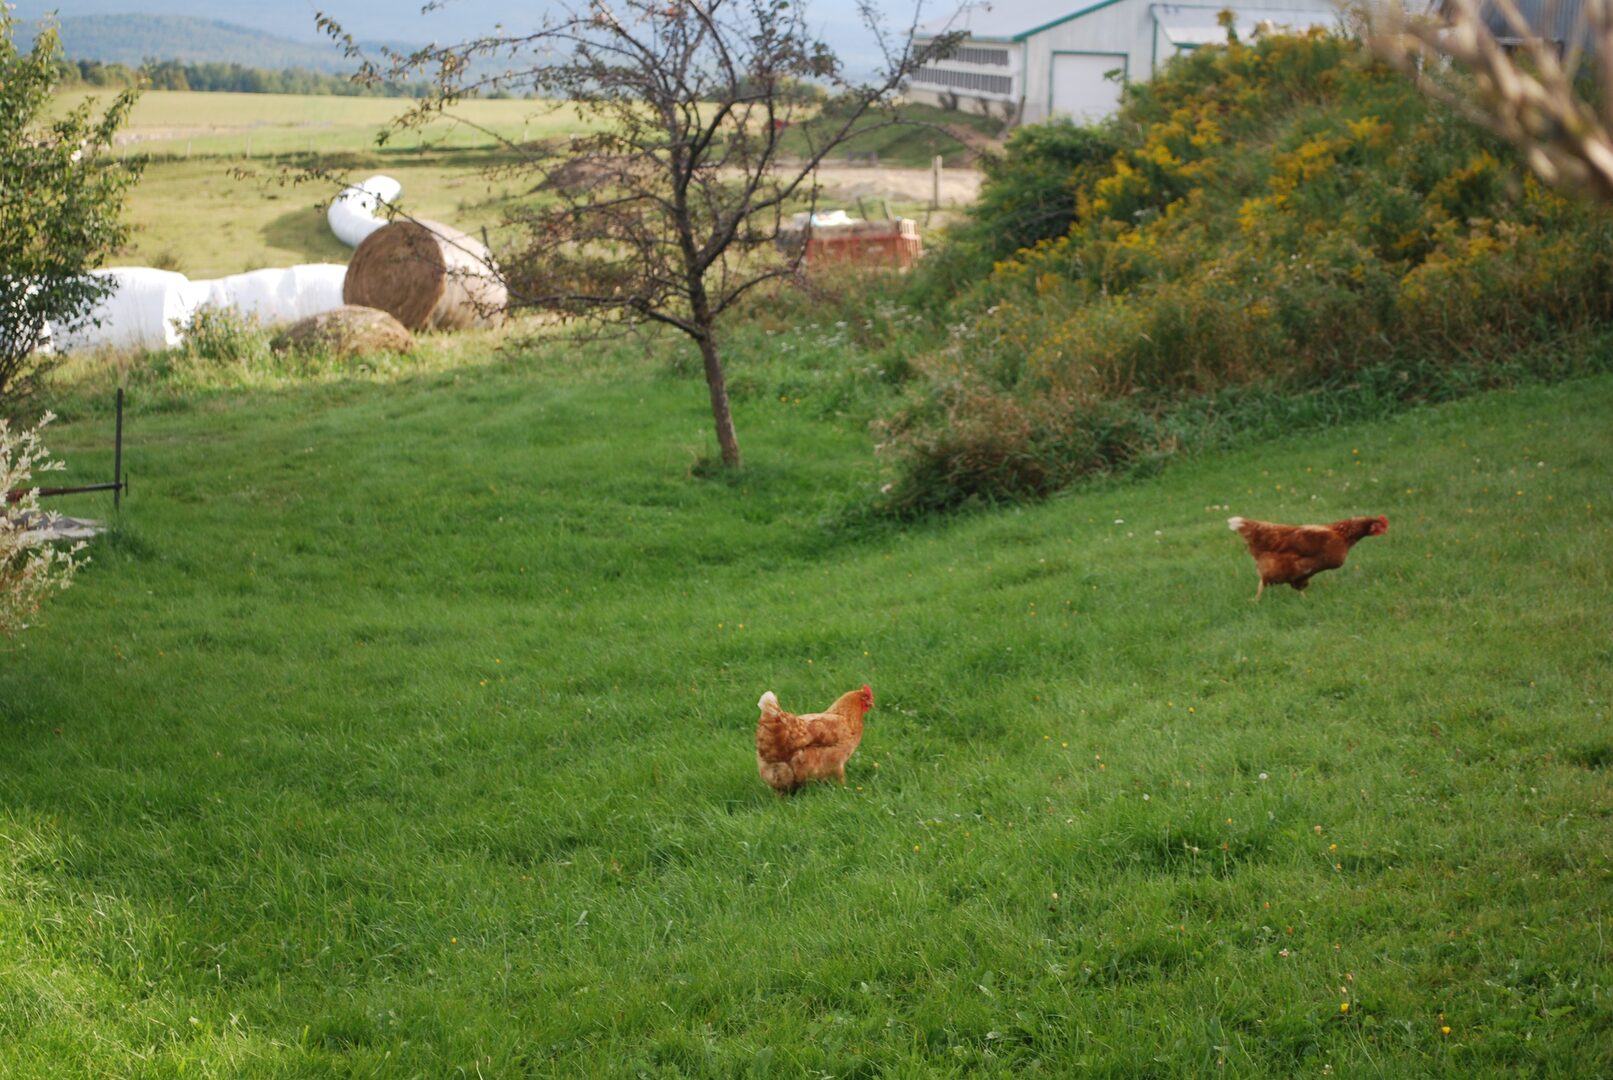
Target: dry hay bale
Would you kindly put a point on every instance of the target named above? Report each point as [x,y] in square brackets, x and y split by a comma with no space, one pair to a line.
[347,331]
[428,276]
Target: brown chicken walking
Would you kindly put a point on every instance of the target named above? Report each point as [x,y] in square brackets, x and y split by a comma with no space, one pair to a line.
[791,750]
[1293,554]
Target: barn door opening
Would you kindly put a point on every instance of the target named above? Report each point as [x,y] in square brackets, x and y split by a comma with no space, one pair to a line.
[1080,90]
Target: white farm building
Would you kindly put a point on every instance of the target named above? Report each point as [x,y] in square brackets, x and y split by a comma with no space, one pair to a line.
[1029,60]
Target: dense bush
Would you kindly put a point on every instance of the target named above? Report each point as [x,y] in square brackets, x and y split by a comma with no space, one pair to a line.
[1029,195]
[1288,214]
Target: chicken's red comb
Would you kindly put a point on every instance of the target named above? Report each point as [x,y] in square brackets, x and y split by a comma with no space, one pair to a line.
[868,696]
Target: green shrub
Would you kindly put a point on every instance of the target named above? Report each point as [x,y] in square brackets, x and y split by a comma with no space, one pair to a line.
[1286,214]
[1028,195]
[220,335]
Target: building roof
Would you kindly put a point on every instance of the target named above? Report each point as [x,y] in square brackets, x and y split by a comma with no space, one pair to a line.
[1002,20]
[1016,20]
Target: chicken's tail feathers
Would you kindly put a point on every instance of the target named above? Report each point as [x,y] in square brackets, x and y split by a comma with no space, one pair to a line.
[769,703]
[1236,524]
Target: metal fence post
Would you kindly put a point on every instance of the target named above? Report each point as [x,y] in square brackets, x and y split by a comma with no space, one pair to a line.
[117,457]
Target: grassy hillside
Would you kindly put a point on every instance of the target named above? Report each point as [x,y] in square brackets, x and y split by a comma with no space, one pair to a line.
[1284,218]
[406,730]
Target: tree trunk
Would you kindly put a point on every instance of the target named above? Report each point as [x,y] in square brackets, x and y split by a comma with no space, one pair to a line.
[720,414]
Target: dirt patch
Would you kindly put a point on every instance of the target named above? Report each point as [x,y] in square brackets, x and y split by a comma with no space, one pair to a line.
[959,187]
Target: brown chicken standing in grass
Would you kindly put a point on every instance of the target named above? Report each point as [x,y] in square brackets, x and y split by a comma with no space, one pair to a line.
[1293,554]
[791,750]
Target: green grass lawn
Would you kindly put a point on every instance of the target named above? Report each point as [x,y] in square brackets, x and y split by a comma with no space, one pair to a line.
[406,730]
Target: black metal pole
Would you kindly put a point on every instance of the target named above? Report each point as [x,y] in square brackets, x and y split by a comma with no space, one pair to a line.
[117,457]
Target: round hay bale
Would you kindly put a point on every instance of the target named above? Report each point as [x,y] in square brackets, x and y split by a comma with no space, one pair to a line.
[347,332]
[427,276]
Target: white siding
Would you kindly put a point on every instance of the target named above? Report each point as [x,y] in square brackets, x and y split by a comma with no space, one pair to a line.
[1120,35]
[1123,34]
[1082,86]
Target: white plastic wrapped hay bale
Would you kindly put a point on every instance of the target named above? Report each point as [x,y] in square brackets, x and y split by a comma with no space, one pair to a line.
[280,295]
[428,276]
[352,214]
[147,309]
[317,288]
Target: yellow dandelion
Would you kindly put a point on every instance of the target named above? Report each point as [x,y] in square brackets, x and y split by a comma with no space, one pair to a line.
[1446,1030]
[1344,1008]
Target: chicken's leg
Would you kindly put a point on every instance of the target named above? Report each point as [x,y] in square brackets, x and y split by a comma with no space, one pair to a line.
[1258,591]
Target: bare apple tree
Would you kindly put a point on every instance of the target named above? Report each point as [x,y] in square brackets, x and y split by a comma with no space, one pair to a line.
[669,210]
[1536,77]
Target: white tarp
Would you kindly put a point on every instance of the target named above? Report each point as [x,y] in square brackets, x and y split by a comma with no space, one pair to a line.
[352,214]
[822,219]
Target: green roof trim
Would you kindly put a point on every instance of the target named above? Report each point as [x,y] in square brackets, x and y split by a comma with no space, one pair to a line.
[1065,18]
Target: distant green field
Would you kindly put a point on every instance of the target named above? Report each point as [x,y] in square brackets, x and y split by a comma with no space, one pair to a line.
[264,125]
[407,730]
[202,219]
[211,202]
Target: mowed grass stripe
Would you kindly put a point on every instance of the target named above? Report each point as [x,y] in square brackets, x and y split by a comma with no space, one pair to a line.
[406,729]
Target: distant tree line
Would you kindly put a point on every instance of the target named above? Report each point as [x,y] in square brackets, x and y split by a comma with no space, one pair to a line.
[233,78]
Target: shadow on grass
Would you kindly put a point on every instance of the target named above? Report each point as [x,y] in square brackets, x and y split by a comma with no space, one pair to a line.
[306,232]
